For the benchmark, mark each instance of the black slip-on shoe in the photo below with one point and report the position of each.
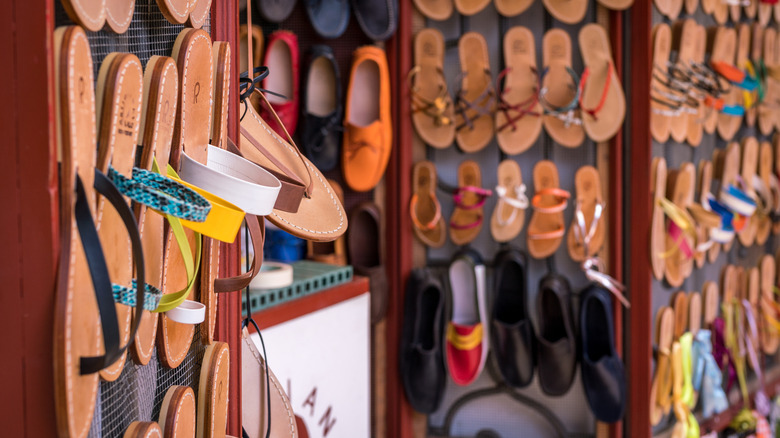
(512, 335)
(557, 344)
(603, 376)
(321, 109)
(422, 362)
(377, 18)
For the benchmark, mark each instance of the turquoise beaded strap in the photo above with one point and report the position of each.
(126, 295)
(162, 194)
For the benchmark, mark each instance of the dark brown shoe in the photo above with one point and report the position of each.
(365, 254)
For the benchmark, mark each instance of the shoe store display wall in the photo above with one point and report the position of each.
(508, 321)
(713, 123)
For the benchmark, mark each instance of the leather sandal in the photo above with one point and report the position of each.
(433, 114)
(119, 100)
(767, 108)
(518, 119)
(470, 7)
(178, 413)
(476, 99)
(661, 113)
(749, 162)
(723, 43)
(685, 33)
(587, 230)
(424, 207)
(512, 8)
(709, 224)
(80, 314)
(770, 333)
(661, 386)
(602, 101)
(438, 10)
(335, 252)
(546, 229)
(762, 184)
(560, 91)
(509, 214)
(567, 11)
(658, 223)
(466, 220)
(680, 235)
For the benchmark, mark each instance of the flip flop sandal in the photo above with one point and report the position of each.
(747, 236)
(699, 114)
(750, 81)
(257, 41)
(509, 214)
(89, 14)
(685, 33)
(724, 45)
(770, 333)
(617, 5)
(258, 380)
(192, 52)
(200, 10)
(161, 88)
(335, 253)
(711, 303)
(470, 7)
(657, 232)
(466, 220)
(476, 99)
(680, 233)
(546, 229)
(587, 231)
(765, 197)
(176, 11)
(560, 93)
(143, 429)
(512, 8)
(119, 14)
(753, 67)
(767, 107)
(177, 414)
(567, 11)
(213, 391)
(694, 312)
(734, 205)
(661, 112)
(518, 119)
(424, 208)
(438, 10)
(81, 315)
(679, 304)
(602, 101)
(711, 229)
(661, 387)
(119, 101)
(433, 114)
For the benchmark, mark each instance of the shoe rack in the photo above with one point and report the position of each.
(475, 407)
(650, 294)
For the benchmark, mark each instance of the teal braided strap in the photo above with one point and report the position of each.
(126, 295)
(162, 194)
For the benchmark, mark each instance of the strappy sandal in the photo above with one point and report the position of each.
(567, 11)
(710, 231)
(475, 101)
(518, 119)
(433, 114)
(749, 162)
(560, 93)
(587, 230)
(657, 224)
(681, 78)
(723, 52)
(509, 214)
(81, 316)
(762, 184)
(661, 112)
(661, 387)
(469, 197)
(602, 101)
(770, 332)
(680, 233)
(546, 229)
(424, 208)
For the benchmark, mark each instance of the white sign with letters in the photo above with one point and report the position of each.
(323, 360)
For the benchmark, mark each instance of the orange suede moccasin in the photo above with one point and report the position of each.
(368, 135)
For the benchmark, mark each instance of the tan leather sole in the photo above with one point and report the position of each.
(545, 177)
(428, 83)
(556, 57)
(747, 236)
(587, 183)
(424, 186)
(661, 386)
(507, 221)
(511, 8)
(119, 102)
(660, 124)
(474, 62)
(723, 43)
(597, 56)
(658, 224)
(770, 336)
(76, 317)
(567, 11)
(680, 185)
(469, 174)
(439, 10)
(684, 34)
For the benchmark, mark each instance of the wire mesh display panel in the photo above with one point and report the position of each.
(138, 393)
